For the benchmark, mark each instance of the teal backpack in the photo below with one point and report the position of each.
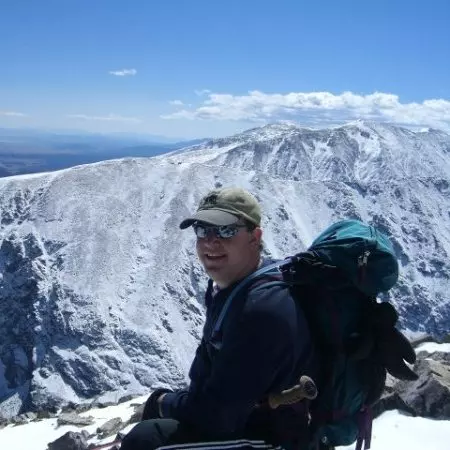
(337, 282)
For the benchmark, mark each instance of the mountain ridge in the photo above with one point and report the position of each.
(101, 292)
(319, 150)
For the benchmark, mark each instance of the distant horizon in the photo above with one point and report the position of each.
(155, 139)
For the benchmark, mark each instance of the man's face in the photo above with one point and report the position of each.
(227, 260)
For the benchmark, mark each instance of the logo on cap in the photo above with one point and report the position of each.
(210, 200)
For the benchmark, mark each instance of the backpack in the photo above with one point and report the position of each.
(336, 282)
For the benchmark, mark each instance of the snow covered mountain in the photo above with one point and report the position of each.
(101, 293)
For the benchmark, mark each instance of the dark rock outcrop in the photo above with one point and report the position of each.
(428, 396)
(112, 426)
(70, 441)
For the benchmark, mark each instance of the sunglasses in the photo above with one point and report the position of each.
(223, 232)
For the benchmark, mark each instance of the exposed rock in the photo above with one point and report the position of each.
(3, 422)
(74, 419)
(390, 383)
(138, 410)
(99, 404)
(70, 441)
(82, 408)
(110, 427)
(390, 401)
(24, 418)
(429, 396)
(76, 408)
(118, 438)
(126, 398)
(45, 414)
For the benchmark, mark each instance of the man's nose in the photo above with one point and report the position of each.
(211, 237)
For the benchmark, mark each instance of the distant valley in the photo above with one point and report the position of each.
(31, 151)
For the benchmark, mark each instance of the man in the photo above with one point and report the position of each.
(264, 347)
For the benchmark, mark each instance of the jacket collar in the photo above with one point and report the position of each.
(216, 289)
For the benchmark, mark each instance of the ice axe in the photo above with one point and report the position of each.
(305, 389)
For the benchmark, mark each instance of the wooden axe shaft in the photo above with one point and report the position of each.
(305, 389)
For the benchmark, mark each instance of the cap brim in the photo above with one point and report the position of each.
(210, 216)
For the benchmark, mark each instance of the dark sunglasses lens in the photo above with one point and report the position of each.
(200, 231)
(227, 231)
(224, 232)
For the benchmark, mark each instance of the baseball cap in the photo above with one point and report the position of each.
(224, 207)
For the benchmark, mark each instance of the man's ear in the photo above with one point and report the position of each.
(256, 235)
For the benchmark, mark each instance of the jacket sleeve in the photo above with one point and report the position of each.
(256, 355)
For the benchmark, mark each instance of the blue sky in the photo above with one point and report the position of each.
(198, 68)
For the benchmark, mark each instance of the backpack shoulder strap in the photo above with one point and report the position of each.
(262, 273)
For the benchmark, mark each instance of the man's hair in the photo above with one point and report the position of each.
(250, 227)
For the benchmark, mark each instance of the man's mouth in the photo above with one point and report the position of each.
(214, 256)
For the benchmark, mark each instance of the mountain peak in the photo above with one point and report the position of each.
(270, 131)
(360, 151)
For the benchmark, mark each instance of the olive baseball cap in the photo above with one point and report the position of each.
(225, 207)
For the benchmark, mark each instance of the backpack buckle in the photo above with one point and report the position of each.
(362, 259)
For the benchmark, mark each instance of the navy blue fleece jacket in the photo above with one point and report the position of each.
(266, 347)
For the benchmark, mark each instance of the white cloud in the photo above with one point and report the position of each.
(318, 107)
(202, 92)
(109, 117)
(124, 72)
(12, 114)
(176, 103)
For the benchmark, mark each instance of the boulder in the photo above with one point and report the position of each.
(110, 427)
(70, 441)
(390, 401)
(137, 415)
(429, 396)
(74, 419)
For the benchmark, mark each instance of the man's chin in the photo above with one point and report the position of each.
(213, 272)
(217, 276)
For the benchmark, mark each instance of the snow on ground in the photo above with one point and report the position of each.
(391, 431)
(395, 431)
(36, 435)
(432, 347)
